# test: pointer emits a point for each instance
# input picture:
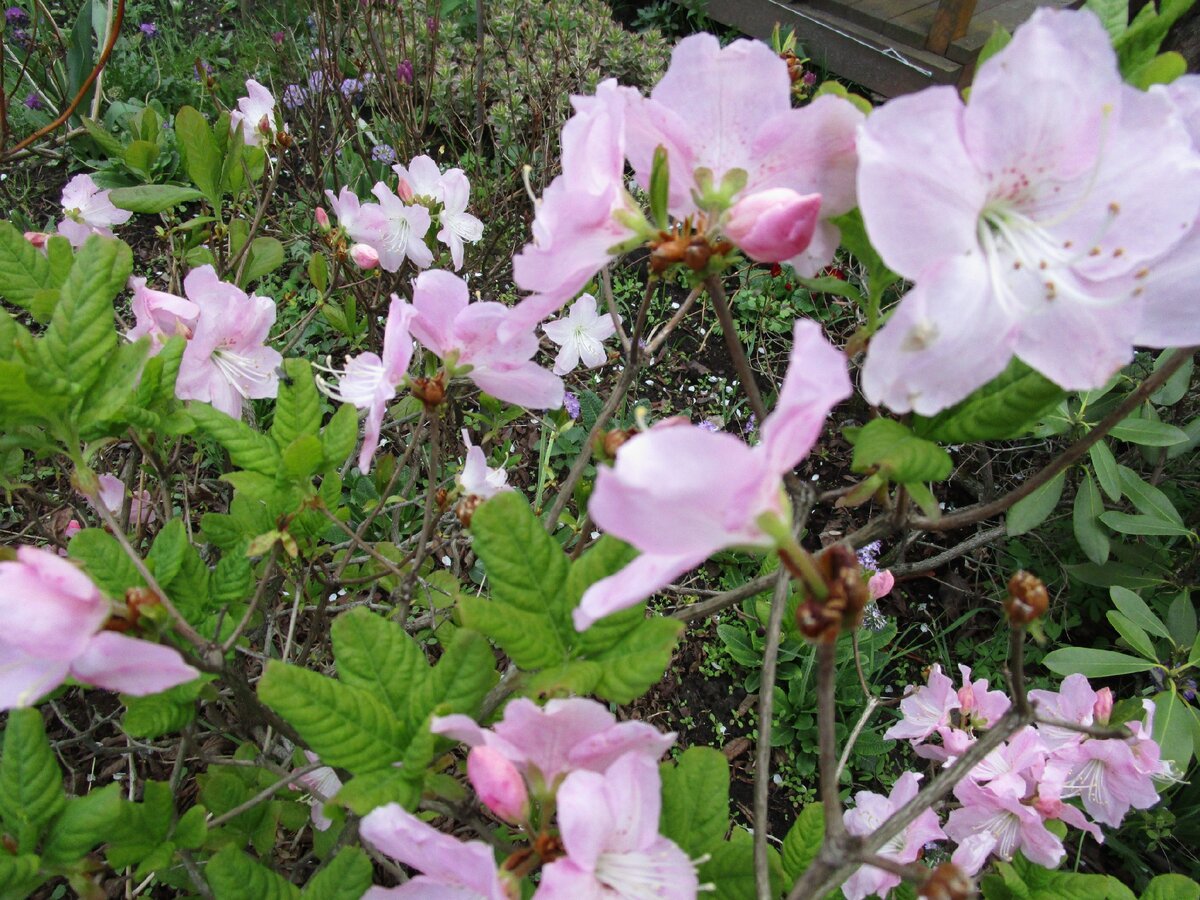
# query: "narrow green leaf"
(695, 800)
(318, 272)
(233, 875)
(803, 841)
(1142, 525)
(1137, 639)
(1030, 512)
(1094, 663)
(886, 446)
(31, 788)
(266, 255)
(1173, 729)
(248, 449)
(153, 198)
(1181, 619)
(997, 41)
(1113, 14)
(82, 331)
(200, 156)
(340, 435)
(1176, 387)
(1085, 516)
(346, 726)
(660, 186)
(346, 877)
(112, 147)
(1137, 611)
(1148, 499)
(1105, 466)
(1147, 433)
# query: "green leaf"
(1030, 512)
(303, 457)
(346, 877)
(105, 561)
(347, 727)
(140, 156)
(730, 870)
(1105, 466)
(1005, 407)
(112, 147)
(660, 186)
(377, 655)
(86, 823)
(232, 579)
(318, 272)
(1176, 387)
(266, 255)
(163, 713)
(461, 678)
(1086, 514)
(1139, 43)
(115, 385)
(152, 198)
(24, 270)
(637, 660)
(340, 435)
(803, 841)
(1148, 499)
(1113, 14)
(1137, 639)
(1023, 880)
(1147, 433)
(1171, 887)
(298, 406)
(31, 788)
(82, 333)
(997, 41)
(886, 446)
(368, 791)
(1181, 619)
(1137, 611)
(233, 875)
(695, 800)
(166, 555)
(201, 158)
(1142, 525)
(19, 876)
(1093, 663)
(1173, 728)
(248, 449)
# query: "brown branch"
(736, 351)
(762, 751)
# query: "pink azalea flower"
(370, 382)
(403, 232)
(324, 785)
(459, 227)
(422, 178)
(50, 619)
(88, 211)
(545, 743)
(982, 707)
(993, 821)
(680, 493)
(869, 813)
(581, 335)
(925, 709)
(477, 479)
(255, 115)
(160, 315)
(609, 828)
(112, 495)
(452, 869)
(1074, 702)
(227, 361)
(363, 222)
(805, 152)
(1027, 217)
(574, 229)
(470, 337)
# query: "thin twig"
(736, 351)
(268, 572)
(762, 752)
(263, 795)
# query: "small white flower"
(580, 335)
(476, 478)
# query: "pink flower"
(421, 178)
(609, 828)
(880, 584)
(160, 315)
(983, 708)
(869, 813)
(680, 493)
(227, 361)
(363, 222)
(112, 495)
(50, 619)
(459, 227)
(88, 211)
(498, 783)
(581, 335)
(370, 382)
(993, 820)
(545, 743)
(324, 785)
(773, 225)
(925, 709)
(453, 869)
(746, 89)
(1027, 218)
(477, 479)
(364, 256)
(574, 229)
(402, 235)
(1074, 702)
(255, 115)
(469, 337)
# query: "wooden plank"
(849, 49)
(949, 24)
(1008, 13)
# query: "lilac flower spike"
(227, 362)
(88, 211)
(1029, 218)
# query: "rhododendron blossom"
(255, 115)
(227, 362)
(680, 493)
(324, 784)
(546, 742)
(581, 335)
(609, 828)
(160, 315)
(88, 210)
(459, 227)
(1029, 218)
(477, 479)
(400, 234)
(112, 495)
(51, 616)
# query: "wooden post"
(949, 24)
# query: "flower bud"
(773, 225)
(364, 256)
(880, 584)
(947, 882)
(404, 191)
(322, 219)
(1027, 598)
(37, 238)
(498, 783)
(1102, 710)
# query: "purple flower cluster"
(16, 16)
(383, 153)
(294, 96)
(404, 71)
(149, 30)
(571, 405)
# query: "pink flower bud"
(404, 191)
(773, 225)
(1102, 710)
(364, 256)
(498, 783)
(881, 584)
(37, 238)
(322, 218)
